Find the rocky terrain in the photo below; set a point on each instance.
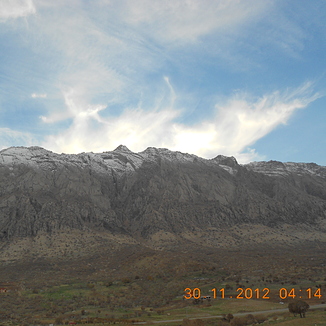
(158, 197)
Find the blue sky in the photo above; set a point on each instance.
(207, 77)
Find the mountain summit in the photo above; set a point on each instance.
(122, 148)
(141, 195)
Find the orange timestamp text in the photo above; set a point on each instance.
(249, 293)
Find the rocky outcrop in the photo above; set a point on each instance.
(141, 193)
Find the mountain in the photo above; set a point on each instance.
(160, 197)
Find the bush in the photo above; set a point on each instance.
(250, 319)
(238, 322)
(260, 319)
(298, 307)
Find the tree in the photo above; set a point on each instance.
(228, 317)
(298, 307)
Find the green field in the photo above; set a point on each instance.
(149, 300)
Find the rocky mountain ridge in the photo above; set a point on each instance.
(275, 168)
(120, 160)
(157, 190)
(39, 157)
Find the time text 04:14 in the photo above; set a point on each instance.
(249, 293)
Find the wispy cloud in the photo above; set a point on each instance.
(101, 68)
(241, 121)
(35, 95)
(186, 20)
(106, 53)
(235, 126)
(16, 8)
(10, 137)
(135, 127)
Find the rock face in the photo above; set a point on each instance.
(157, 189)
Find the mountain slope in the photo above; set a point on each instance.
(154, 191)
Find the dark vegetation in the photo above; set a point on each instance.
(138, 284)
(298, 307)
(116, 237)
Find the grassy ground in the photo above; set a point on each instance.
(134, 284)
(121, 300)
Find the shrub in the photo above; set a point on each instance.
(238, 322)
(260, 319)
(298, 307)
(250, 319)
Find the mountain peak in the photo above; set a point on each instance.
(226, 160)
(122, 148)
(153, 191)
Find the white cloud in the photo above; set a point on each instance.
(106, 56)
(91, 132)
(235, 126)
(249, 155)
(35, 95)
(10, 137)
(241, 121)
(112, 49)
(16, 8)
(186, 20)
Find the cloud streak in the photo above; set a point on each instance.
(16, 8)
(186, 20)
(111, 48)
(35, 95)
(234, 126)
(10, 137)
(122, 71)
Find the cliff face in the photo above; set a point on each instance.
(142, 193)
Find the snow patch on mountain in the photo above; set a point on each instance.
(122, 161)
(275, 168)
(153, 153)
(229, 169)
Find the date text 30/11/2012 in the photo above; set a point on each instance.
(249, 293)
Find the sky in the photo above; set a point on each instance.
(242, 78)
